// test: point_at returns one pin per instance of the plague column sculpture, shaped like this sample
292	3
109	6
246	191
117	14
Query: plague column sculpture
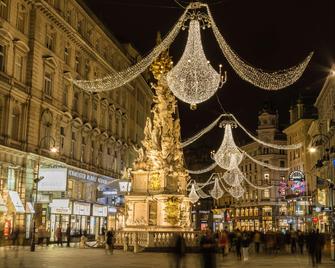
158	201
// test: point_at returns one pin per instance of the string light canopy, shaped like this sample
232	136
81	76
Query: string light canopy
193	196
193	80
216	192
266	80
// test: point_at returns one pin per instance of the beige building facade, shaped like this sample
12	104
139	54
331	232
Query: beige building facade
43	46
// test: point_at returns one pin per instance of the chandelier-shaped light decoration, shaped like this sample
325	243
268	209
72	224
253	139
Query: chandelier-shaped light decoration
236	191
193	194
193	80
228	156
233	177
216	192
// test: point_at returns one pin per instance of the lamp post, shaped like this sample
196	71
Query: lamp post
37	179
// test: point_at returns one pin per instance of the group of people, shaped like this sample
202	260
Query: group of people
240	242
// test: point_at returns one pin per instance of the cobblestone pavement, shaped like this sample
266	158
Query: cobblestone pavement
56	257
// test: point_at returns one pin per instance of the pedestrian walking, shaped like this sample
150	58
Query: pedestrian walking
223	242
238	241
245	246
319	246
301	241
311	242
15	236
179	251
59	236
207	246
257	240
110	242
68	235
294	242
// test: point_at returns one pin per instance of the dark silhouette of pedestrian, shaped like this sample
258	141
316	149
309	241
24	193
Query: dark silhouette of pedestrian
110	242
257	240
179	250
15	236
301	239
59	236
207	246
238	244
318	246
68	235
311	242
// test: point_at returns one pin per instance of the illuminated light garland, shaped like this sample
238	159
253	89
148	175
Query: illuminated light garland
201	171
193	196
193	80
269	166
228	156
216	192
233	177
201	193
118	79
256	76
201	132
271	145
257	187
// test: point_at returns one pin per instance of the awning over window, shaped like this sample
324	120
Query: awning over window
16	201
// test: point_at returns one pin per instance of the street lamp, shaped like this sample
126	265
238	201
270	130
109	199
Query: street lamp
52	149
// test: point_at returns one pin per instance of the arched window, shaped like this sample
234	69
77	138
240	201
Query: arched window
15	133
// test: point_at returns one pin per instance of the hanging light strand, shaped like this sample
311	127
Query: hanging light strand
118	79
256	76
257	187
201	132
269	166
204	170
271	145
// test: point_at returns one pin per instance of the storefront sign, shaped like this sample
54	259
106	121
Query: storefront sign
81	209
82	176
16	201
99	211
327	209
54	180
315	220
102	181
60	206
297	182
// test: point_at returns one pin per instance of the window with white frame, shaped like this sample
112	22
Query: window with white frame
2	57
48	83
4	9
21	18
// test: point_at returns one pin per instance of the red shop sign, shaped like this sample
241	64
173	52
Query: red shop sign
315	220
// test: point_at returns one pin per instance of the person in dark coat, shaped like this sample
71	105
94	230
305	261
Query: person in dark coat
311	242
68	235
207	246
179	250
318	246
110	241
238	243
15	236
301	239
59	236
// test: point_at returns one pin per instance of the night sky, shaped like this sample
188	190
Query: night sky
268	34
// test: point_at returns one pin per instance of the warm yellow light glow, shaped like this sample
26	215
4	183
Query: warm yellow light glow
54	149
312	149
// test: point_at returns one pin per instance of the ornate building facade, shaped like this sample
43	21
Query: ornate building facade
43	46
